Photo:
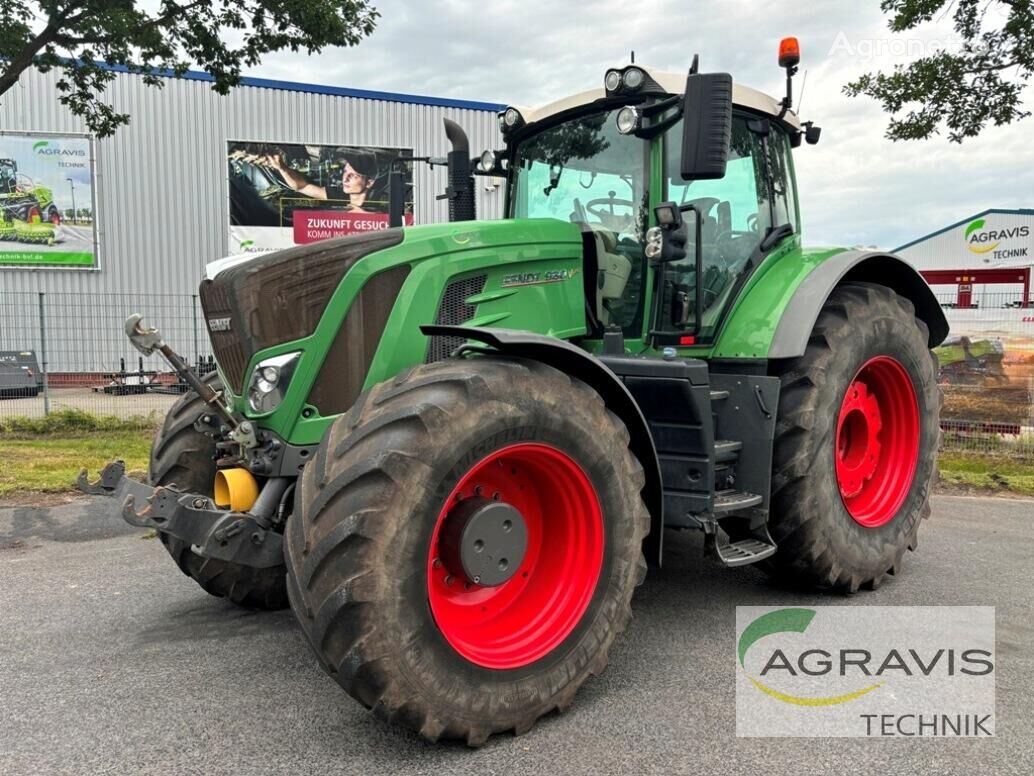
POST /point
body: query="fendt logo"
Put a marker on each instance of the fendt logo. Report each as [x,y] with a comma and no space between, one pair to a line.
[980,239]
[865,671]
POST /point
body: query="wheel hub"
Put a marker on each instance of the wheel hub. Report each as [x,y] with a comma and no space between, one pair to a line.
[877,441]
[483,541]
[858,443]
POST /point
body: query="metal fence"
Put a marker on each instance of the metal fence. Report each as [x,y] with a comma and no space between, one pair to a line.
[74,346]
[986,371]
[85,362]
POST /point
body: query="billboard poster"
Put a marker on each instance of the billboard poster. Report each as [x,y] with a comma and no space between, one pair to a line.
[286,194]
[46,201]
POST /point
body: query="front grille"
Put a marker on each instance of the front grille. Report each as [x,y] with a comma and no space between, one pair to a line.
[227,346]
[279,297]
[453,310]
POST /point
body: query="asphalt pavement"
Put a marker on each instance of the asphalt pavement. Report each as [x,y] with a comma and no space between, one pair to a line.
[113,662]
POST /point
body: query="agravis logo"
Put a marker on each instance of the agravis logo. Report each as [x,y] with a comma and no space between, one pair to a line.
[865,671]
[982,240]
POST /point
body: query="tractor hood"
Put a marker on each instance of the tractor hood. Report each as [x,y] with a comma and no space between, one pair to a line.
[254,302]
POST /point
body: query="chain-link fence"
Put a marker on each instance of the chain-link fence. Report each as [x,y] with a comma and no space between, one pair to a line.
[63,350]
[986,371]
[68,351]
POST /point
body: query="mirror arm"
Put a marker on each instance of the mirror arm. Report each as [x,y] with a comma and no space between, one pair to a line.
[652,131]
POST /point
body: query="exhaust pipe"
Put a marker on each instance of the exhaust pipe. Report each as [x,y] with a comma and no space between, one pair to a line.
[460,191]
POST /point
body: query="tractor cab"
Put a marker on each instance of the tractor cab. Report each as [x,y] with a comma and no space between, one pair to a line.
[607,158]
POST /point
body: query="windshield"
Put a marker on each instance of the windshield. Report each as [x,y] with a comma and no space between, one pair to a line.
[585,171]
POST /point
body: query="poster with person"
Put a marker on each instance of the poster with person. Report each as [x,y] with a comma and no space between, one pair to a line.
[285,194]
[46,201]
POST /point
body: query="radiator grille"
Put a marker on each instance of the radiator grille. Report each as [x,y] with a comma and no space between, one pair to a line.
[453,310]
[227,346]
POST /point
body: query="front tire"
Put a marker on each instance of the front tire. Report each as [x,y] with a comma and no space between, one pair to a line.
[376,570]
[856,442]
[184,457]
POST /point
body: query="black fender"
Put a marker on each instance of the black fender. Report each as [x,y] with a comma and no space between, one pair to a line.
[886,269]
[578,363]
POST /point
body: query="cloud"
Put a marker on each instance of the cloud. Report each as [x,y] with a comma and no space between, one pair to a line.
[856,187]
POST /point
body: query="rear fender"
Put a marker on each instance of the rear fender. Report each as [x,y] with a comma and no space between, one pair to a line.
[575,362]
[799,316]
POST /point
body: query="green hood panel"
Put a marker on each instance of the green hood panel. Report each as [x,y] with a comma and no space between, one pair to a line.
[533,280]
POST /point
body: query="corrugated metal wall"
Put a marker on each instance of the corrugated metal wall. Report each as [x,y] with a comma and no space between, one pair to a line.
[161,187]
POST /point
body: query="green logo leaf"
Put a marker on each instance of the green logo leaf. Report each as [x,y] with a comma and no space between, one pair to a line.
[245,244]
[975,226]
[780,621]
[40,144]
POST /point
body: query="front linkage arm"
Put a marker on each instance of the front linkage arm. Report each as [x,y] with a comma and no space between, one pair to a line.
[148,340]
[241,538]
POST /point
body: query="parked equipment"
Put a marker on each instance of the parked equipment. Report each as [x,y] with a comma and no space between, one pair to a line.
[964,361]
[20,375]
[453,449]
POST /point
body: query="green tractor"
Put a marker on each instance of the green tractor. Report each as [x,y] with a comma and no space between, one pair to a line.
[455,449]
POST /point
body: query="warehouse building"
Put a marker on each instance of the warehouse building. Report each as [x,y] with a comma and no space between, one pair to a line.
[980,269]
[982,260]
[95,229]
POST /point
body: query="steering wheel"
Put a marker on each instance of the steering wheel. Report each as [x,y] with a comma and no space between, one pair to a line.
[603,210]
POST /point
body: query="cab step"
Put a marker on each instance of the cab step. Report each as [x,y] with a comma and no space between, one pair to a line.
[726,501]
[743,552]
[727,449]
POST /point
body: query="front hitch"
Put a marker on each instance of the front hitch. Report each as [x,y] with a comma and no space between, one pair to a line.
[243,538]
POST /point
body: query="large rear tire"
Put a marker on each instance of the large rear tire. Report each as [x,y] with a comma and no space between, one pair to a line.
[184,457]
[375,549]
[856,442]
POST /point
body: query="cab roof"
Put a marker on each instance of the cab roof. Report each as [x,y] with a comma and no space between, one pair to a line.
[673,83]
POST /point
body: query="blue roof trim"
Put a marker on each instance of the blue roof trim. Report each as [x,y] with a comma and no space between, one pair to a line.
[333,91]
[1000,211]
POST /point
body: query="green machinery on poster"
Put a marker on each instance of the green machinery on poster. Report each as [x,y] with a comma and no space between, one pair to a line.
[47,214]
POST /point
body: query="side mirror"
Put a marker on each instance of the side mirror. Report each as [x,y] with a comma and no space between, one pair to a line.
[706,126]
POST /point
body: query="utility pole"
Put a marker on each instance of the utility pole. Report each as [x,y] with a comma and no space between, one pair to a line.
[71,183]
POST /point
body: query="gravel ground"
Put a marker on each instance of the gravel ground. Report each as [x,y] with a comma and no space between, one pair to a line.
[112,662]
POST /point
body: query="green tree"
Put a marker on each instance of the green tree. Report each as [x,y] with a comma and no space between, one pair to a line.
[979,82]
[220,37]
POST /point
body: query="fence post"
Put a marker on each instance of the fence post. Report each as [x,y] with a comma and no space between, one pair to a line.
[43,353]
[193,318]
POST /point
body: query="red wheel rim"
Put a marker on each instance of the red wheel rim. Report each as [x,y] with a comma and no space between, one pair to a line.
[55,218]
[877,441]
[34,215]
[529,615]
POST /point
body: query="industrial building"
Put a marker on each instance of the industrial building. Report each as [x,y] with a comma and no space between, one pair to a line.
[105,227]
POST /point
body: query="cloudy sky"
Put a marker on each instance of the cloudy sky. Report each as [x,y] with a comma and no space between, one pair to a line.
[857,188]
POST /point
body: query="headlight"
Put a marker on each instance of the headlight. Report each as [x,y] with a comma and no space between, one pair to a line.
[654,242]
[627,120]
[269,381]
[633,78]
[511,118]
[612,80]
[488,160]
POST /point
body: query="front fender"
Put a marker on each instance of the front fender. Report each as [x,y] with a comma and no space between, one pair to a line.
[576,362]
